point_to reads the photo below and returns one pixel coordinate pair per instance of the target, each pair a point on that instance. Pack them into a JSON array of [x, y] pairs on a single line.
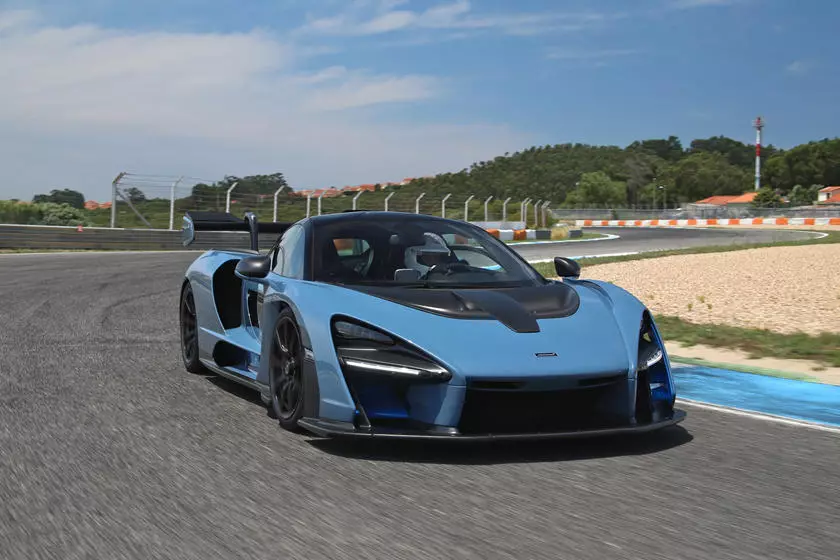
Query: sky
[[343, 92]]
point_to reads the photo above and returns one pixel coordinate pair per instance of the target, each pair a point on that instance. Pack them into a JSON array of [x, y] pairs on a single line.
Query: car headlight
[[651, 361], [365, 351], [352, 331], [649, 355]]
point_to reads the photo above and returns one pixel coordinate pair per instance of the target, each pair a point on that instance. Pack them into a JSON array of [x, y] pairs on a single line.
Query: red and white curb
[[526, 236], [714, 222], [520, 234]]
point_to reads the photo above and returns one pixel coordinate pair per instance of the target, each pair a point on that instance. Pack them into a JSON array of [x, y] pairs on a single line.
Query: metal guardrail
[[140, 239], [65, 237]]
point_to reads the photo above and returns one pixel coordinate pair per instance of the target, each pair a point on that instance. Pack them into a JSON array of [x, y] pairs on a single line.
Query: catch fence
[[158, 202]]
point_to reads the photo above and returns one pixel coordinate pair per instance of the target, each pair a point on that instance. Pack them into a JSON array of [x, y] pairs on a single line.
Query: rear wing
[[223, 221]]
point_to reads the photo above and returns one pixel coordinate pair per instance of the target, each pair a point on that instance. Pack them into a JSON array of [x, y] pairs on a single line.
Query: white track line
[[762, 416], [607, 237], [589, 257]]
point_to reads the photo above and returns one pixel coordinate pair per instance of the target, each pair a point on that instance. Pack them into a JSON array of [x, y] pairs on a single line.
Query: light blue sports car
[[388, 324]]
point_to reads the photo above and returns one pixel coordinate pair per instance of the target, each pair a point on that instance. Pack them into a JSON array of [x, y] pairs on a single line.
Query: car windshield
[[414, 251]]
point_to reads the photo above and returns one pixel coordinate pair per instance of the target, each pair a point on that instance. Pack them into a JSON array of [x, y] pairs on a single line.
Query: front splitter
[[331, 429]]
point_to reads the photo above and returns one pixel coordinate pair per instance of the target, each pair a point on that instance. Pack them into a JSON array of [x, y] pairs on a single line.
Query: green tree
[[135, 195], [597, 188], [767, 198], [804, 196], [63, 196], [806, 164], [737, 153], [704, 174], [670, 149]]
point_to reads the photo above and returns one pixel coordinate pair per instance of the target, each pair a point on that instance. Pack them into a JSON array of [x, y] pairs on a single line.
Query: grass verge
[[547, 269], [823, 349]]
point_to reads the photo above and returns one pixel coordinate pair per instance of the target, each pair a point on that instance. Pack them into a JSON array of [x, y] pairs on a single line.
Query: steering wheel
[[363, 267]]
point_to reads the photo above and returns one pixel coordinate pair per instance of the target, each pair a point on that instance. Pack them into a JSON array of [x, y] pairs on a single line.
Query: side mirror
[[187, 231], [566, 268], [254, 268]]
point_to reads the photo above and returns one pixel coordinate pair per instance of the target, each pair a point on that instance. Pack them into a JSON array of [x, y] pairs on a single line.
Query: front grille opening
[[383, 405], [517, 411], [497, 385], [654, 400]]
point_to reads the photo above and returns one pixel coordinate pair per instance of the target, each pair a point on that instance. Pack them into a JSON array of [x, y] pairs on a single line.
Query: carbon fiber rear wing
[[223, 221]]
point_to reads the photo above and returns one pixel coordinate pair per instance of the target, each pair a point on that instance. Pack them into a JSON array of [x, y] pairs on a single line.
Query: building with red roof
[[829, 195]]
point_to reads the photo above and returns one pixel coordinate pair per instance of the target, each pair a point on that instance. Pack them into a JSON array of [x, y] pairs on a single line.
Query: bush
[[46, 213], [62, 215], [14, 213]]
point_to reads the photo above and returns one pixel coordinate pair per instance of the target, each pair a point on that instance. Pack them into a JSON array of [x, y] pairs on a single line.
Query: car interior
[[377, 254]]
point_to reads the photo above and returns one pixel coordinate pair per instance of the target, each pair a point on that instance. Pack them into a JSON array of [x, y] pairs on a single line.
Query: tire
[[285, 372], [189, 332]]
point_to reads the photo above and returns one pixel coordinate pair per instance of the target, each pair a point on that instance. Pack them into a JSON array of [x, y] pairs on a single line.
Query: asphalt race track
[[632, 240], [110, 449]]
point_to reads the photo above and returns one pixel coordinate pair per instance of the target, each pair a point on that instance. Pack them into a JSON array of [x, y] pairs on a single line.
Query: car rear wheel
[[286, 372], [189, 332]]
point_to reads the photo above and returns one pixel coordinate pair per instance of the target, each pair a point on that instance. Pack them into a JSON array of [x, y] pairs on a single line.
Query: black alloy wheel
[[189, 332], [286, 372]]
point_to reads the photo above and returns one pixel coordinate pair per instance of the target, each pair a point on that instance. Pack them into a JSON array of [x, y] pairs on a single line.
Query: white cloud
[[13, 19], [81, 103], [456, 15], [799, 67]]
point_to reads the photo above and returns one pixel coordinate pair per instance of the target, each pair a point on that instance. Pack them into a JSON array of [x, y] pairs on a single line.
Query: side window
[[456, 239], [289, 258], [469, 250], [278, 260]]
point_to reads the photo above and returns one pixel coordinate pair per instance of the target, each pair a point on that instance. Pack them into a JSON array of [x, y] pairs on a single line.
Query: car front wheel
[[286, 372], [189, 332]]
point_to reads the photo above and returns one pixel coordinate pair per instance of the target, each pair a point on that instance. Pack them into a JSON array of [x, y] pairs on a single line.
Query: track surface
[[655, 239], [109, 449]]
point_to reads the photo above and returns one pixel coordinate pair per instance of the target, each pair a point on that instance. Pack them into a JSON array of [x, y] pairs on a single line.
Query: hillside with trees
[[568, 175], [580, 175]]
